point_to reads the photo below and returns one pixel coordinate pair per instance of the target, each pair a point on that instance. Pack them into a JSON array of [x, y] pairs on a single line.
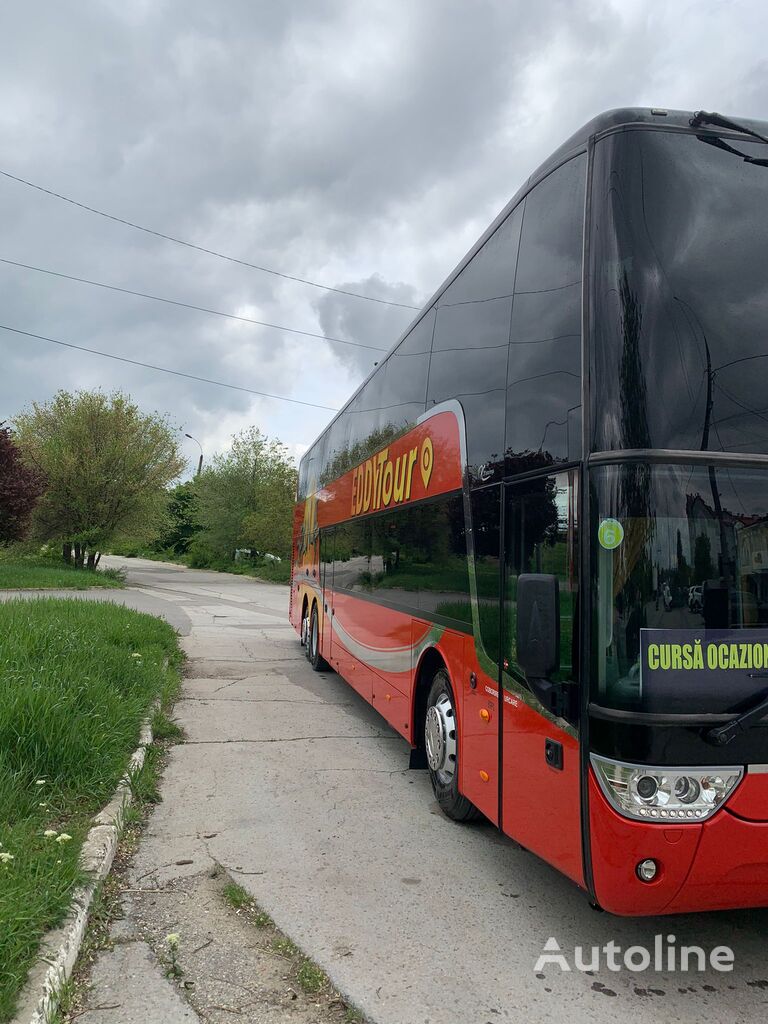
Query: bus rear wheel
[[304, 635], [441, 741], [315, 659]]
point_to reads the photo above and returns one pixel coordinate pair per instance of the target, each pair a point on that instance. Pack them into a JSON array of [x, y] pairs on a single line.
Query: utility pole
[[200, 460]]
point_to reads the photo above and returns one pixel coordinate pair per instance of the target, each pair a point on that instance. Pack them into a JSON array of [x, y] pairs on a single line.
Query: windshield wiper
[[702, 117], [725, 733]]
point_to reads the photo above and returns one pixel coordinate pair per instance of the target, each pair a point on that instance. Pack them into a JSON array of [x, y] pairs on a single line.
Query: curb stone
[[60, 948]]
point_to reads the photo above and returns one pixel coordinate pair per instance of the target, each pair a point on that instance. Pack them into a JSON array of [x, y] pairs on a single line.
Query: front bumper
[[720, 864]]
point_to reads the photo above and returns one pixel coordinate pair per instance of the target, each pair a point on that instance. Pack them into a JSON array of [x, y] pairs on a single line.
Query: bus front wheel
[[441, 741], [315, 659]]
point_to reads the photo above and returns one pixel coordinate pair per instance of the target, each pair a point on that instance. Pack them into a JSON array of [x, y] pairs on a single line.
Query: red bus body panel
[[730, 868], [541, 804], [429, 455], [750, 801], [479, 753], [619, 844]]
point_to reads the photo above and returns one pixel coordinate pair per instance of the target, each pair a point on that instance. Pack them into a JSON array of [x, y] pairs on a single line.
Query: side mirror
[[538, 625]]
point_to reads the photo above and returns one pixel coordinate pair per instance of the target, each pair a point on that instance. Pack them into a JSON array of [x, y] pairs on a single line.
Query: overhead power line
[[187, 305], [200, 248], [163, 369]]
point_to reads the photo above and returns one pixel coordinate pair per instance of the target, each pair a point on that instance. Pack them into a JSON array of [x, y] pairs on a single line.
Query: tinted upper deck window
[[543, 397], [469, 350], [404, 389], [679, 248]]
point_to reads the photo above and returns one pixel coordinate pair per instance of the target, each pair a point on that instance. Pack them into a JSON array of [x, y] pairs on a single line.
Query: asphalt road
[[303, 793]]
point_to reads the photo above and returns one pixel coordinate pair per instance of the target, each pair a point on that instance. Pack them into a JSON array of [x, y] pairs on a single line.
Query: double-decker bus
[[536, 538]]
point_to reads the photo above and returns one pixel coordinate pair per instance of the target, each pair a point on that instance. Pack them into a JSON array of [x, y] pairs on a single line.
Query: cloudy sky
[[361, 144]]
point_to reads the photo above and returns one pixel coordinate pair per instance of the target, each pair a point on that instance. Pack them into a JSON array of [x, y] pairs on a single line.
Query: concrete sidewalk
[[302, 793]]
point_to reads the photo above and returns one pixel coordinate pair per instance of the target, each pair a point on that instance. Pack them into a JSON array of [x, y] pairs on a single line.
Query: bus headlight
[[664, 794]]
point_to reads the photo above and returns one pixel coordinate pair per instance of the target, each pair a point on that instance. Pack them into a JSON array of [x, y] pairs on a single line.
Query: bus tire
[[441, 741], [315, 659]]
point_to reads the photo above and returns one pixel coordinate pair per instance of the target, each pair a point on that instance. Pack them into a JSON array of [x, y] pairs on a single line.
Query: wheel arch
[[455, 804], [430, 661]]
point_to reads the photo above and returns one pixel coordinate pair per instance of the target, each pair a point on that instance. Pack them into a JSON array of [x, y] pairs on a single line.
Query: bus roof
[[609, 121]]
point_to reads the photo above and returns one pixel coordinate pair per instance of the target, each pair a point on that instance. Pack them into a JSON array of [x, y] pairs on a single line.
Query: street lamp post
[[200, 460]]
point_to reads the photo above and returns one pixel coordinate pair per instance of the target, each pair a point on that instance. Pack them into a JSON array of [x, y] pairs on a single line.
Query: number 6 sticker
[[610, 534]]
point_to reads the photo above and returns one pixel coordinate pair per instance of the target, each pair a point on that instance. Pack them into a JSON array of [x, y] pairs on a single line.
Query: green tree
[[269, 527], [245, 498], [342, 461], [182, 520], [107, 465]]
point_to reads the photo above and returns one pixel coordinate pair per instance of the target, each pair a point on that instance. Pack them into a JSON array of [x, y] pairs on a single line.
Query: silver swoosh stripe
[[396, 659]]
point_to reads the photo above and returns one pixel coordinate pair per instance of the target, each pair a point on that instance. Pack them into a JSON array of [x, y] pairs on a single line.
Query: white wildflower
[[173, 939], [6, 858], [63, 838], [50, 833]]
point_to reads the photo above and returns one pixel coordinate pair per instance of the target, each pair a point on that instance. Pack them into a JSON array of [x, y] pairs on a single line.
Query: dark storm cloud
[[372, 324], [362, 144]]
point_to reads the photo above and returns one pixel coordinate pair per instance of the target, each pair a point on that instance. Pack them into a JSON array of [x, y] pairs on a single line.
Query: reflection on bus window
[[414, 558], [694, 555], [541, 518]]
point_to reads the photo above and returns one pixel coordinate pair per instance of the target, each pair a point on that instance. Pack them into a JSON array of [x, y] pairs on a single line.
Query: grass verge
[[166, 728], [23, 571], [76, 681], [106, 907]]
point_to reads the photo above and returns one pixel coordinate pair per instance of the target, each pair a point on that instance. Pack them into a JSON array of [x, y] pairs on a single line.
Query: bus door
[[540, 772], [479, 689]]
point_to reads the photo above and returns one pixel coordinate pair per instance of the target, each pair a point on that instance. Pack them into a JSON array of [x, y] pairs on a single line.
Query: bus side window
[[351, 555], [470, 346], [326, 557], [544, 367]]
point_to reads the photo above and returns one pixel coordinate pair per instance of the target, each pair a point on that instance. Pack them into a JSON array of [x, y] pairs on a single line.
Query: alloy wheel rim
[[440, 738], [313, 636]]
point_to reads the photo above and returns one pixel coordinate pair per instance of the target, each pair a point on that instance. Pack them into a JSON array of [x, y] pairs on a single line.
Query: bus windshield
[[679, 245], [682, 549]]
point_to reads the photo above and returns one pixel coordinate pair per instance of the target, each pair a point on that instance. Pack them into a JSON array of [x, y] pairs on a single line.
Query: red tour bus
[[536, 538]]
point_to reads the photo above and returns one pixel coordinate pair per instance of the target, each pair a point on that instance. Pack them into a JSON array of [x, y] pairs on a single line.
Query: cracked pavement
[[303, 794], [227, 963]]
